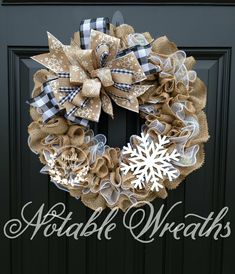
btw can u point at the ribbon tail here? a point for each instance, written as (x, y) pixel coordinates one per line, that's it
(142, 54)
(124, 99)
(91, 111)
(106, 103)
(46, 102)
(56, 59)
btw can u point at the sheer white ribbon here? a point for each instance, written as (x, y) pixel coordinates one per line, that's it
(174, 65)
(191, 130)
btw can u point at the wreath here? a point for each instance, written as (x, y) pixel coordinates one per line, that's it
(103, 65)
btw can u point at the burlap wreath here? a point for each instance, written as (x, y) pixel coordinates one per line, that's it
(105, 64)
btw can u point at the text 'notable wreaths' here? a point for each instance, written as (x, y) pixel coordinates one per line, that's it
(106, 65)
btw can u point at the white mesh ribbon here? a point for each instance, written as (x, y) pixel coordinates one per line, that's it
(148, 108)
(174, 65)
(187, 155)
(111, 192)
(191, 130)
(98, 148)
(160, 127)
(137, 39)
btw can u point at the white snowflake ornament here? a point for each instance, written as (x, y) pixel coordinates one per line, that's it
(149, 161)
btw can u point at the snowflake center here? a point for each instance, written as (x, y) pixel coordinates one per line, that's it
(151, 161)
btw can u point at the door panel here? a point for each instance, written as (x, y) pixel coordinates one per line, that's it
(195, 29)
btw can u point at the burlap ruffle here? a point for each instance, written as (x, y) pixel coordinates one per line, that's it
(168, 92)
(104, 185)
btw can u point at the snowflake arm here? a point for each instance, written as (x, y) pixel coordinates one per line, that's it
(150, 161)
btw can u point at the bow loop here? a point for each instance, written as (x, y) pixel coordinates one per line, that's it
(102, 53)
(106, 44)
(91, 88)
(101, 24)
(91, 76)
(122, 76)
(104, 75)
(73, 96)
(85, 59)
(77, 75)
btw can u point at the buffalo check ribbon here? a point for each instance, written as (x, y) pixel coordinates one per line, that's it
(124, 73)
(46, 102)
(49, 107)
(90, 77)
(141, 53)
(100, 24)
(123, 86)
(71, 93)
(76, 120)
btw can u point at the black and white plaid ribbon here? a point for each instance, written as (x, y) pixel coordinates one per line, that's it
(103, 56)
(75, 108)
(68, 89)
(141, 53)
(46, 102)
(63, 74)
(71, 112)
(76, 120)
(100, 24)
(122, 86)
(71, 93)
(122, 71)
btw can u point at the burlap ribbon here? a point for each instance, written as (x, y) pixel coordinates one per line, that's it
(89, 78)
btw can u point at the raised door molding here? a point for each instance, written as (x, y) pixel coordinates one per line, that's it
(26, 184)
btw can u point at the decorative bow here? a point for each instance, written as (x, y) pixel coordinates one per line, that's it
(89, 78)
